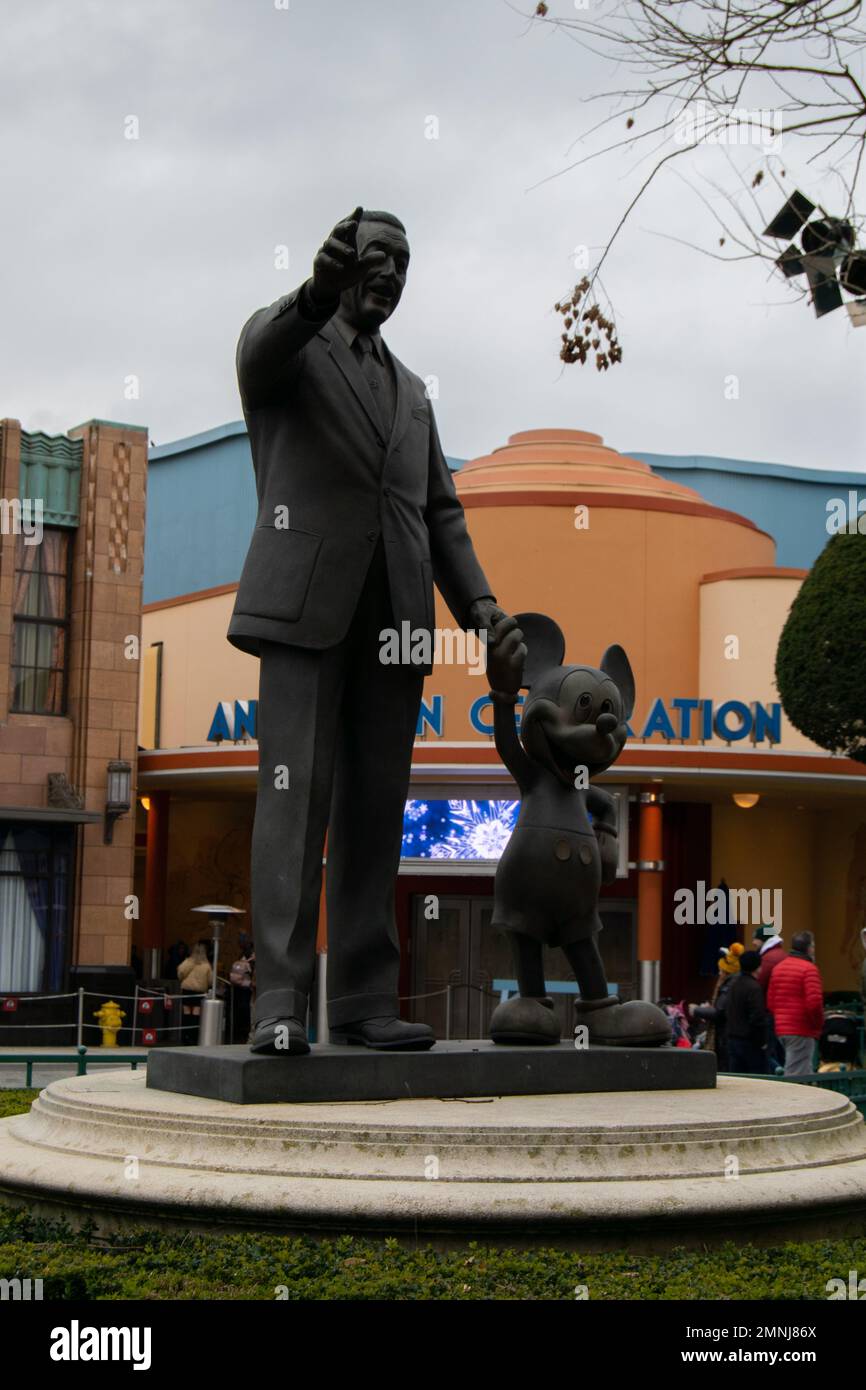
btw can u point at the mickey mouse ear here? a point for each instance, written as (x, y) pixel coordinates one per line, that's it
(545, 645)
(616, 664)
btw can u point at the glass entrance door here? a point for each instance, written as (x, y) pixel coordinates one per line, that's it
(460, 963)
(456, 957)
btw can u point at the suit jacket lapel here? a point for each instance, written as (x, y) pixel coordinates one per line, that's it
(404, 402)
(349, 366)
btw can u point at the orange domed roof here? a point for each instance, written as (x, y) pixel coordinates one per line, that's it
(561, 461)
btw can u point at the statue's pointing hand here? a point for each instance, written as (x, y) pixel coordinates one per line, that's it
(338, 266)
(506, 655)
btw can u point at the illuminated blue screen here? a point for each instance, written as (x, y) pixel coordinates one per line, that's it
(457, 829)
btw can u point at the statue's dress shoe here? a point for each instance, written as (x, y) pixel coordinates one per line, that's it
(280, 1037)
(525, 1022)
(386, 1035)
(613, 1024)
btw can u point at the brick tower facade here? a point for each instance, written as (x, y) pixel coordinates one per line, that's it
(71, 556)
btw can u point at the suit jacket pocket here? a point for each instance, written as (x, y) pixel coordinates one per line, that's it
(277, 573)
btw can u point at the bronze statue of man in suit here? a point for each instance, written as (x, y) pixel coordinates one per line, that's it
(357, 517)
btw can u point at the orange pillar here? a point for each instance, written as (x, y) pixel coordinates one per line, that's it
(649, 892)
(155, 873)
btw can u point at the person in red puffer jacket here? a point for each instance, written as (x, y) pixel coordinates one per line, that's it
(795, 998)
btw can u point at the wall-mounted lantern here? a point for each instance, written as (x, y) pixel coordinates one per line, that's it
(118, 794)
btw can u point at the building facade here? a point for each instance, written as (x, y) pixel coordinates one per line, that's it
(71, 561)
(714, 784)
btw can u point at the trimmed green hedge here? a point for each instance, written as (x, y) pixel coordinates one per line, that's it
(153, 1264)
(150, 1264)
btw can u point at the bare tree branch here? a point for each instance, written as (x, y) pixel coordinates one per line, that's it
(780, 68)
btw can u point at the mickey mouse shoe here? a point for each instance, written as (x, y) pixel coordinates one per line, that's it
(610, 1023)
(523, 1022)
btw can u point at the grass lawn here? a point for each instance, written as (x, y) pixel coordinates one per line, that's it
(15, 1102)
(158, 1265)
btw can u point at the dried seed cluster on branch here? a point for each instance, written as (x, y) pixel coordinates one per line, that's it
(584, 325)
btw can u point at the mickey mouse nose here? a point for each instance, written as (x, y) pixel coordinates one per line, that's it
(606, 723)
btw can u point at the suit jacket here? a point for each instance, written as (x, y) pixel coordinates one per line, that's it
(319, 454)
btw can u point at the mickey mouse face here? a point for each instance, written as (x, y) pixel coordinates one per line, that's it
(574, 716)
(598, 702)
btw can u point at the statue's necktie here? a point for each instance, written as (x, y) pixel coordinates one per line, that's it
(377, 377)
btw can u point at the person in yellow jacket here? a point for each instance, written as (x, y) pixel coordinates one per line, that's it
(196, 977)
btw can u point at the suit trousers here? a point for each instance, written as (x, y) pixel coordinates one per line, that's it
(336, 730)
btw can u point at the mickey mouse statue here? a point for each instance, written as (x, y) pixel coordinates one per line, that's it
(548, 879)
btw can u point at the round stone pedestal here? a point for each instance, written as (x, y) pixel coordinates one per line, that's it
(639, 1168)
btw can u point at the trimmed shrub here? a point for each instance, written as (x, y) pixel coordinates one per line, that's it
(821, 659)
(143, 1263)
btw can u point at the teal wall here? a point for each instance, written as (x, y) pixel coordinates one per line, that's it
(201, 509)
(790, 503)
(201, 505)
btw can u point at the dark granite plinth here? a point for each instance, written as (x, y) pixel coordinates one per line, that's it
(451, 1069)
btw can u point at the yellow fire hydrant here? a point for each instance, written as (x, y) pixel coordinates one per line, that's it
(109, 1019)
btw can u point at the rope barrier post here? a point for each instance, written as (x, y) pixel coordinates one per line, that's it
(448, 1012)
(82, 1061)
(30, 1074)
(134, 1014)
(79, 1032)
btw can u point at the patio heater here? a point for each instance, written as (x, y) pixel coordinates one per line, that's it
(210, 1031)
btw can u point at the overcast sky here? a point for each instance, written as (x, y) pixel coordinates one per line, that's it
(261, 127)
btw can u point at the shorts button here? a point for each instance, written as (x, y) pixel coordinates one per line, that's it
(562, 850)
(585, 854)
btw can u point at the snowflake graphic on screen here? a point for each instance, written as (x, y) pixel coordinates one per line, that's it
(464, 830)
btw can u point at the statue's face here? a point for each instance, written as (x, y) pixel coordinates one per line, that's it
(367, 305)
(584, 727)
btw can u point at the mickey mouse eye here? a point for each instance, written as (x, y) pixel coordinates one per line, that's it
(584, 701)
(606, 706)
